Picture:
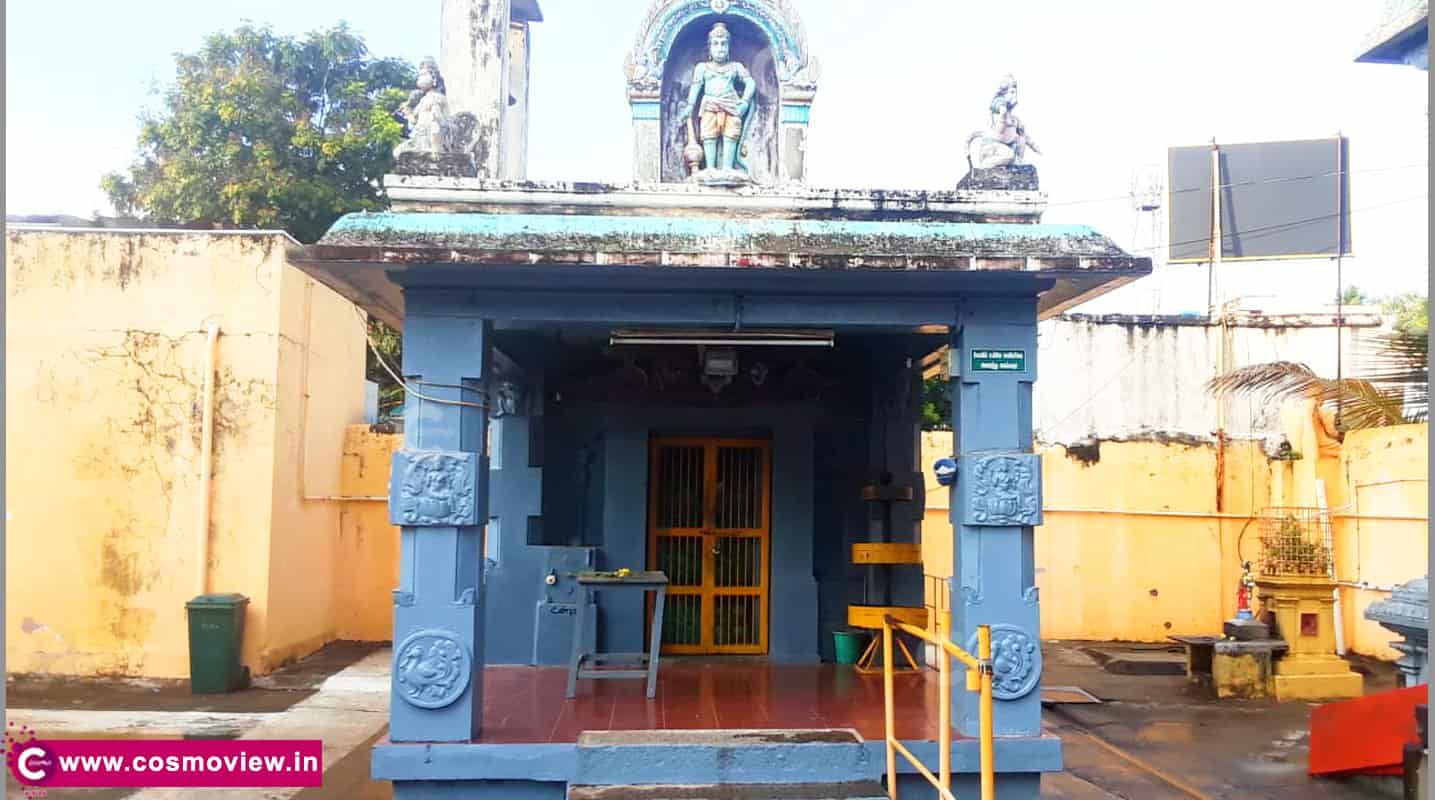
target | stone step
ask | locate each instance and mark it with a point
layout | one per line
(720, 737)
(707, 758)
(862, 790)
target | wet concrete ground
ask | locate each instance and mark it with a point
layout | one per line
(1152, 737)
(1218, 749)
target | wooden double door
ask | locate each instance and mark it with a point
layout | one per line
(709, 529)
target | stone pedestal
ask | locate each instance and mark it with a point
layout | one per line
(437, 165)
(1301, 611)
(1244, 669)
(1017, 177)
(1407, 613)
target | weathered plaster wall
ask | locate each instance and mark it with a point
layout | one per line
(1134, 547)
(105, 349)
(1111, 574)
(515, 119)
(105, 345)
(1120, 377)
(321, 356)
(473, 57)
(366, 554)
(1383, 535)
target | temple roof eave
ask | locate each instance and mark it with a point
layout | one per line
(368, 257)
(697, 241)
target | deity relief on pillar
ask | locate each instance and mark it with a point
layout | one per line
(721, 92)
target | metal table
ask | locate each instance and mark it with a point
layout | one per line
(642, 582)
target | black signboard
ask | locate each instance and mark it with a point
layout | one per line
(1278, 200)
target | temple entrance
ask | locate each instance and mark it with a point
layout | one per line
(709, 522)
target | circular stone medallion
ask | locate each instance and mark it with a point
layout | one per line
(721, 6)
(1016, 661)
(431, 669)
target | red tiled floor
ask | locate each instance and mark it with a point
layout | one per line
(527, 704)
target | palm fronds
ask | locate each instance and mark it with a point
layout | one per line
(1361, 403)
(1272, 380)
(1399, 363)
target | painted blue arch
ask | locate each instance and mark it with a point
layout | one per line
(777, 20)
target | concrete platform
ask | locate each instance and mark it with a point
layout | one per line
(1157, 725)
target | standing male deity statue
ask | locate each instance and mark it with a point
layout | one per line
(726, 89)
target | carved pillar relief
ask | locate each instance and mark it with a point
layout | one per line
(996, 502)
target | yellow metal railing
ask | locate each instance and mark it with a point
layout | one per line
(979, 679)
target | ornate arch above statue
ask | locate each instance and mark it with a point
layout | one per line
(797, 70)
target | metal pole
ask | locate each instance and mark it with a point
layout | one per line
(889, 701)
(944, 695)
(1339, 264)
(1213, 289)
(984, 710)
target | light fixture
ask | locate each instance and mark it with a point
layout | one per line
(720, 362)
(718, 338)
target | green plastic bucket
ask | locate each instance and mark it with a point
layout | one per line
(849, 645)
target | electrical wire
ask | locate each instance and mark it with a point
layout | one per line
(408, 389)
(1288, 179)
(1270, 229)
(1102, 388)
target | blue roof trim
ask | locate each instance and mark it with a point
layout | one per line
(559, 226)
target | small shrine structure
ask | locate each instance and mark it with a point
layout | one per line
(703, 375)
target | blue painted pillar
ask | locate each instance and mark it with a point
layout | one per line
(995, 503)
(439, 497)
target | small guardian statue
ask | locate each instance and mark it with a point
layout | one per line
(438, 140)
(726, 90)
(996, 157)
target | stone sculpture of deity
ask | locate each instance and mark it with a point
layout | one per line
(440, 142)
(1005, 141)
(430, 123)
(726, 89)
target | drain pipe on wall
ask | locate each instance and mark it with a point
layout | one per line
(1329, 532)
(206, 458)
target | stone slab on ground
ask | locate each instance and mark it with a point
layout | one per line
(1141, 660)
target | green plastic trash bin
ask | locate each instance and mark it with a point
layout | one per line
(848, 645)
(216, 632)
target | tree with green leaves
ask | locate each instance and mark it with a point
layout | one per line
(267, 131)
(936, 404)
(1411, 312)
(1354, 296)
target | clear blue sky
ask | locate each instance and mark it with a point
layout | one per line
(1107, 86)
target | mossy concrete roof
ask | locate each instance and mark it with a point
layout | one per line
(367, 256)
